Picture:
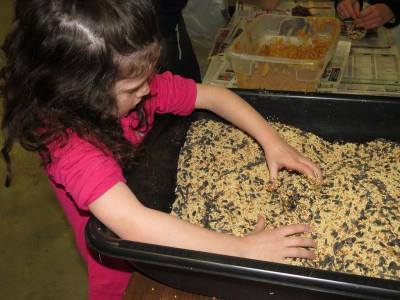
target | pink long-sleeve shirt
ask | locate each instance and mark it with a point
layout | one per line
(80, 173)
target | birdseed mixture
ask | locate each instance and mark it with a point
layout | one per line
(223, 184)
(355, 33)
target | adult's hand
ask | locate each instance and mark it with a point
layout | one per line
(348, 9)
(374, 16)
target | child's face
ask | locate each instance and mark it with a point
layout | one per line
(130, 91)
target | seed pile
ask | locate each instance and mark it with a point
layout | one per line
(355, 33)
(223, 185)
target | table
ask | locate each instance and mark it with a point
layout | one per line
(370, 66)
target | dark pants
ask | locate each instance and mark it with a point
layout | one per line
(177, 54)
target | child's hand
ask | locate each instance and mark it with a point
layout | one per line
(374, 16)
(348, 9)
(281, 155)
(278, 244)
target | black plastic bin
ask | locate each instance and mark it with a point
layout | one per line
(334, 117)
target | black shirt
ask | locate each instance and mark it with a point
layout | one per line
(169, 13)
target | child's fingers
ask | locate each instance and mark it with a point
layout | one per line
(293, 229)
(307, 170)
(316, 171)
(260, 226)
(273, 171)
(304, 167)
(298, 241)
(299, 252)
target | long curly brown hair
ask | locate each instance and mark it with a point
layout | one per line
(62, 59)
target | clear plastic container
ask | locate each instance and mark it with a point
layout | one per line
(278, 52)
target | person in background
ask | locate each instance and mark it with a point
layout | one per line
(380, 12)
(79, 88)
(177, 53)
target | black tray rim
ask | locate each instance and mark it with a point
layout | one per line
(331, 282)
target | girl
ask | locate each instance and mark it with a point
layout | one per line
(79, 88)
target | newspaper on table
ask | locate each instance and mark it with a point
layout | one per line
(370, 66)
(225, 37)
(373, 66)
(220, 72)
(335, 69)
(372, 71)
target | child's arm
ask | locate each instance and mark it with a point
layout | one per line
(121, 212)
(231, 107)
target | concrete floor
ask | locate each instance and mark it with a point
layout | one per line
(38, 260)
